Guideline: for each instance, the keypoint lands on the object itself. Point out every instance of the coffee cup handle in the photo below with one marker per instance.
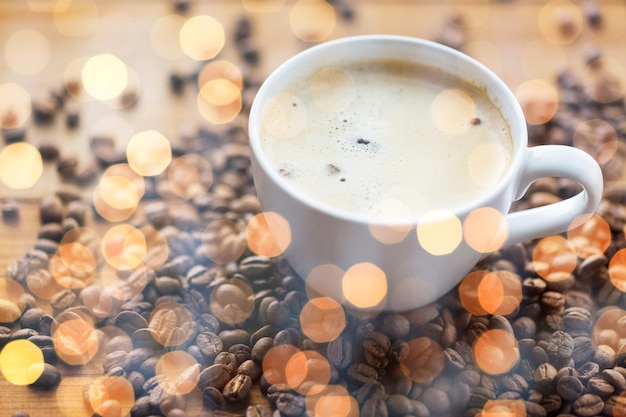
(556, 161)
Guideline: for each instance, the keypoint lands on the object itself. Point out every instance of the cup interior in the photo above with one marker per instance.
(409, 49)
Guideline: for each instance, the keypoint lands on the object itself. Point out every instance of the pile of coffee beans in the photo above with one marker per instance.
(231, 316)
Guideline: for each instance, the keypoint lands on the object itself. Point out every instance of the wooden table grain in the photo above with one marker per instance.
(508, 36)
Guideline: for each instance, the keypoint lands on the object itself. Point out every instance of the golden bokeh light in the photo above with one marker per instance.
(598, 138)
(504, 408)
(589, 238)
(453, 111)
(307, 372)
(178, 372)
(268, 234)
(48, 6)
(76, 341)
(322, 319)
(284, 116)
(124, 247)
(383, 219)
(11, 303)
(439, 232)
(496, 352)
(325, 280)
(119, 192)
(485, 229)
(164, 36)
(27, 52)
(468, 292)
(263, 6)
(364, 285)
(170, 324)
(484, 292)
(423, 361)
(202, 37)
(149, 152)
(219, 101)
(539, 100)
(617, 270)
(560, 21)
(221, 69)
(78, 19)
(223, 241)
(275, 361)
(189, 176)
(554, 256)
(15, 105)
(610, 321)
(604, 80)
(21, 165)
(232, 301)
(109, 396)
(486, 159)
(73, 266)
(104, 76)
(332, 401)
(312, 20)
(21, 362)
(332, 89)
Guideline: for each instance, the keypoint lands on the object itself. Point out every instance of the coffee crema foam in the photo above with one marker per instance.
(389, 139)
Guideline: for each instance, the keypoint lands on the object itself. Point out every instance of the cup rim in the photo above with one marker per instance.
(515, 117)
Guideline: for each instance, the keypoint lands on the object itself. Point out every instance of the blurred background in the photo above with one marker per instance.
(85, 84)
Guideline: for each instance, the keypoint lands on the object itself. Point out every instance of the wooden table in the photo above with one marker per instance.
(506, 35)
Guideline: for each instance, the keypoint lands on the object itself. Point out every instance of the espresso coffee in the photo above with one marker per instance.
(385, 137)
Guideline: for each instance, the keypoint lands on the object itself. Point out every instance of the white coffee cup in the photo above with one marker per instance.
(341, 255)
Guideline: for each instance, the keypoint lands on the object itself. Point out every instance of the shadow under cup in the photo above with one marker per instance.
(336, 252)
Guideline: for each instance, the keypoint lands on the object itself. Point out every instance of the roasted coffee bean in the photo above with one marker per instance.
(436, 400)
(601, 387)
(254, 267)
(288, 336)
(376, 347)
(544, 375)
(362, 373)
(570, 388)
(237, 388)
(234, 337)
(290, 404)
(583, 350)
(604, 355)
(588, 405)
(396, 326)
(209, 344)
(130, 321)
(250, 368)
(212, 398)
(514, 382)
(49, 378)
(560, 348)
(278, 313)
(479, 396)
(375, 407)
(260, 348)
(229, 360)
(216, 376)
(63, 299)
(577, 319)
(339, 352)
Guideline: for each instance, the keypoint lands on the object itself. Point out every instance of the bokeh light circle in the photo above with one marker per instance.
(202, 37)
(21, 362)
(232, 301)
(104, 76)
(439, 232)
(423, 360)
(322, 319)
(149, 152)
(553, 256)
(312, 20)
(21, 165)
(268, 234)
(539, 100)
(496, 352)
(364, 285)
(485, 229)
